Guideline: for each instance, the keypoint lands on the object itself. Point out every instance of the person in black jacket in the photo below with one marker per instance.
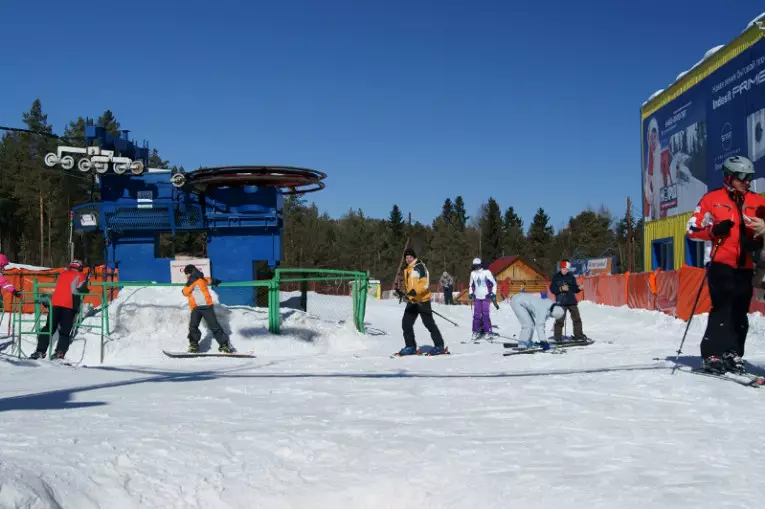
(564, 287)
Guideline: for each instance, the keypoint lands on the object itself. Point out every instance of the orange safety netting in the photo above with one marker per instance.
(23, 280)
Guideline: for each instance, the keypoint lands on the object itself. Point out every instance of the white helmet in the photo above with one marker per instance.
(476, 261)
(556, 311)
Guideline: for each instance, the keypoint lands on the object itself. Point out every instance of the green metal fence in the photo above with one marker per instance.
(285, 279)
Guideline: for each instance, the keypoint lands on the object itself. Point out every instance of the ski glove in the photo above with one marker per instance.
(215, 282)
(564, 288)
(17, 294)
(412, 293)
(722, 228)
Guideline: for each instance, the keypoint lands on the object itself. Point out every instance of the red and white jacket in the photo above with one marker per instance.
(717, 206)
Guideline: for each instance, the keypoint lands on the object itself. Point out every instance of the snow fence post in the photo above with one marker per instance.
(362, 309)
(273, 303)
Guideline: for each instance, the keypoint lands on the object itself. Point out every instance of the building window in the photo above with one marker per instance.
(663, 254)
(694, 252)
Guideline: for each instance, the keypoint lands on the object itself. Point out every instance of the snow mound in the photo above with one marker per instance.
(146, 320)
(22, 266)
(22, 489)
(754, 21)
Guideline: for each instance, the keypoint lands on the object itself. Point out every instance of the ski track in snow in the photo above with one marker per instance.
(323, 417)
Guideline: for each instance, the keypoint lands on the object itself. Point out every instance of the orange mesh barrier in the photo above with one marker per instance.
(690, 279)
(667, 285)
(23, 280)
(590, 286)
(581, 295)
(639, 291)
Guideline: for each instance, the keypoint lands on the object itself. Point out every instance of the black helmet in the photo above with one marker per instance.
(189, 269)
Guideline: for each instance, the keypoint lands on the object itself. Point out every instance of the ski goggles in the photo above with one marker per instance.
(743, 177)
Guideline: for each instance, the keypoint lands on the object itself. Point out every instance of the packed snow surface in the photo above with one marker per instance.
(324, 418)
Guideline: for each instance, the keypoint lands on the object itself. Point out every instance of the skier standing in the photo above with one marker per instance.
(533, 311)
(417, 286)
(64, 306)
(4, 283)
(722, 216)
(447, 286)
(565, 288)
(481, 292)
(201, 305)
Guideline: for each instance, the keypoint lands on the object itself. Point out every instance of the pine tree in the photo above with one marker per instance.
(447, 211)
(492, 231)
(460, 213)
(109, 123)
(514, 239)
(540, 241)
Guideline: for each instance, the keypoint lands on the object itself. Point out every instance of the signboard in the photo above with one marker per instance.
(145, 199)
(686, 141)
(177, 266)
(591, 267)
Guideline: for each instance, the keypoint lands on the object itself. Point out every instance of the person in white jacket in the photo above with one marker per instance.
(533, 311)
(481, 293)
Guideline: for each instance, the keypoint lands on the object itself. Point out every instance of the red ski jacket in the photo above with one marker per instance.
(66, 285)
(717, 206)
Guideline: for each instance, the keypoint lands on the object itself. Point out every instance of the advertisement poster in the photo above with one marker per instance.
(686, 141)
(591, 267)
(674, 177)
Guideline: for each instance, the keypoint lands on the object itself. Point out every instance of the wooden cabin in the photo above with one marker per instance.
(515, 274)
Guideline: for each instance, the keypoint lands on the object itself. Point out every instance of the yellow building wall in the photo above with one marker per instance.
(675, 227)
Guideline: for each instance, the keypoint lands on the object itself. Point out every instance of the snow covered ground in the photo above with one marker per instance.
(324, 418)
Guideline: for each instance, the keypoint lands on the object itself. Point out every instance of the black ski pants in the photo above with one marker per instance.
(208, 313)
(448, 296)
(731, 293)
(575, 317)
(412, 311)
(61, 319)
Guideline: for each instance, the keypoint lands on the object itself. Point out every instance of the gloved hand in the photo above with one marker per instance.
(399, 293)
(411, 295)
(471, 297)
(215, 282)
(564, 288)
(491, 296)
(16, 293)
(722, 228)
(753, 245)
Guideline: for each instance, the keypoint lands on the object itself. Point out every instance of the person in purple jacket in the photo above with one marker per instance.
(481, 293)
(4, 283)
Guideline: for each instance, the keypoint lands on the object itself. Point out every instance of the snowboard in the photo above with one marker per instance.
(208, 354)
(745, 379)
(514, 349)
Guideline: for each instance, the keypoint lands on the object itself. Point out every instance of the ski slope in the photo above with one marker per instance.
(324, 418)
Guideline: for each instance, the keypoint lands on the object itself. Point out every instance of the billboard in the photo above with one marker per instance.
(686, 141)
(592, 266)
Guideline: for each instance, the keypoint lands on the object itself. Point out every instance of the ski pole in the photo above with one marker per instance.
(442, 316)
(695, 302)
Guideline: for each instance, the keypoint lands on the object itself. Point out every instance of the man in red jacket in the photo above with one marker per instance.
(721, 217)
(64, 306)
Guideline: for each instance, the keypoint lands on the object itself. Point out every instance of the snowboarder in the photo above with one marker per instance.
(417, 285)
(481, 293)
(201, 305)
(721, 217)
(447, 286)
(63, 309)
(4, 283)
(565, 288)
(533, 311)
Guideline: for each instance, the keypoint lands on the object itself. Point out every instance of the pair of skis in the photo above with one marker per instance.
(745, 379)
(554, 347)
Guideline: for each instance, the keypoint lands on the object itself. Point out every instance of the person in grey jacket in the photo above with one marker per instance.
(533, 311)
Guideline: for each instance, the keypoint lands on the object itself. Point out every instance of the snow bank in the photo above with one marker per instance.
(145, 320)
(22, 489)
(22, 266)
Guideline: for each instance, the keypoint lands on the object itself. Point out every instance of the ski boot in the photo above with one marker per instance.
(58, 356)
(408, 350)
(438, 350)
(714, 365)
(733, 363)
(226, 348)
(477, 336)
(38, 355)
(193, 348)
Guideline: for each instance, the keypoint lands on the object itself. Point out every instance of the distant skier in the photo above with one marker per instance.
(4, 283)
(63, 309)
(722, 217)
(417, 286)
(481, 292)
(565, 288)
(533, 311)
(447, 286)
(201, 305)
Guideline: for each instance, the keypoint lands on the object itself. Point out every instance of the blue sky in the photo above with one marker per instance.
(407, 102)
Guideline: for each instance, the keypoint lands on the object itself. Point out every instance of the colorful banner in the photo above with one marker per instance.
(592, 266)
(686, 141)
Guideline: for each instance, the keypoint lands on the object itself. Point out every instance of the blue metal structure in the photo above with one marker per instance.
(239, 208)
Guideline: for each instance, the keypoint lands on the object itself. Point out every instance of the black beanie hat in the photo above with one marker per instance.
(410, 252)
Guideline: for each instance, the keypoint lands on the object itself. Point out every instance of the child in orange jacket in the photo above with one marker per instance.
(201, 305)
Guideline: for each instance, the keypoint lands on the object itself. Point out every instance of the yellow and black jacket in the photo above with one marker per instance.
(417, 281)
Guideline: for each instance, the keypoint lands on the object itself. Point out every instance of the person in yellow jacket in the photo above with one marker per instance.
(417, 281)
(201, 305)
